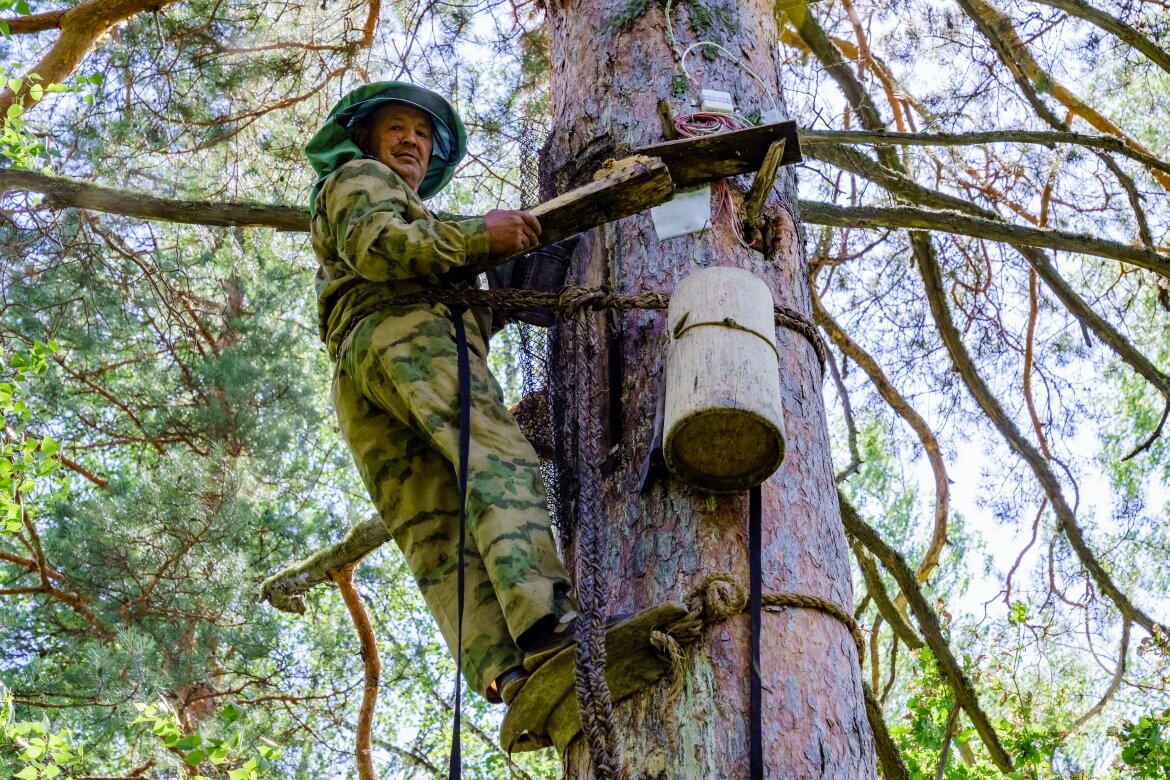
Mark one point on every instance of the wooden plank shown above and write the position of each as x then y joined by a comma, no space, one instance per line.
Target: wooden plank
634,186
695,161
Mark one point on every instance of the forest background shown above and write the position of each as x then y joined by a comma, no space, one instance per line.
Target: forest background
168,439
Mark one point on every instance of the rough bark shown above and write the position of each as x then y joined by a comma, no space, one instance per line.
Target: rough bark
612,62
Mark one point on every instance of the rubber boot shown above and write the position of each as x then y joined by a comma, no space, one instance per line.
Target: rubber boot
545,710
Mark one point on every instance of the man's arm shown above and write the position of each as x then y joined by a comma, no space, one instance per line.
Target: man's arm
366,206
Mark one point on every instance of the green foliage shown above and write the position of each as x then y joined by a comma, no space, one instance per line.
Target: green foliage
29,480
42,753
200,747
932,724
1145,746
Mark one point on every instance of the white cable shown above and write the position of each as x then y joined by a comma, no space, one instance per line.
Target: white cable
736,60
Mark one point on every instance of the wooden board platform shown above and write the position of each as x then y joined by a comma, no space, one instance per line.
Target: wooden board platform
631,190
649,177
695,161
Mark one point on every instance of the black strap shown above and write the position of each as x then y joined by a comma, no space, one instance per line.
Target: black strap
755,575
455,768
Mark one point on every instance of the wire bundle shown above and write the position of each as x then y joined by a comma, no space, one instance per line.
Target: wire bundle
703,123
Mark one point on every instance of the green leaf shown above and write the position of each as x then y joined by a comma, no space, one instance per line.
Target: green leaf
50,771
195,757
188,742
28,773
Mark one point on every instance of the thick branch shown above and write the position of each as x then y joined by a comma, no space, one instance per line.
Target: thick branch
810,139
931,630
936,295
893,768
285,590
818,42
81,27
27,25
978,227
1112,24
64,193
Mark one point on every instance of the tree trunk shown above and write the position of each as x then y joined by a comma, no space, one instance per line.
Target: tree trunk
612,61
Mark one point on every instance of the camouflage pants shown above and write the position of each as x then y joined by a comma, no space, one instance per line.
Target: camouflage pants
396,395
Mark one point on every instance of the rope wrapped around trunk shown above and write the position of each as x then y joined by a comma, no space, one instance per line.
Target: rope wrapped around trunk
721,596
570,301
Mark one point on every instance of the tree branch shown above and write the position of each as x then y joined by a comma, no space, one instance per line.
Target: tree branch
809,139
1111,24
81,27
908,413
27,25
932,632
901,186
1114,684
343,577
820,213
65,193
893,768
885,606
999,31
285,590
936,296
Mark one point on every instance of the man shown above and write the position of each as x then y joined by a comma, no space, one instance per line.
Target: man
383,149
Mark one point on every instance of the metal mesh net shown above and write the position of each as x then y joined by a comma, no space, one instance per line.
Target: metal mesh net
541,412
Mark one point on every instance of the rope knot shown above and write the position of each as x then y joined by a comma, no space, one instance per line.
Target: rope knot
573,300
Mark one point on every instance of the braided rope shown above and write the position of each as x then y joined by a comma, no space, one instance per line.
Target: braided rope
593,697
721,596
571,301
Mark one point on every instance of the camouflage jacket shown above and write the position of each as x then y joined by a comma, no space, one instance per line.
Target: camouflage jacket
376,241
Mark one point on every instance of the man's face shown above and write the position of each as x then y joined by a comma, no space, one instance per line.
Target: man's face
400,137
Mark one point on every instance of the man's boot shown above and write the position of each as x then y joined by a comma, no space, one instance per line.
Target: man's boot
545,709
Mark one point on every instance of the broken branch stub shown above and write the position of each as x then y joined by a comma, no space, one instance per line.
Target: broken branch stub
286,589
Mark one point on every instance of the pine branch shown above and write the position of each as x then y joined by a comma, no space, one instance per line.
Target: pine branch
1111,24
28,25
285,590
910,218
932,631
904,188
936,296
66,193
811,139
910,415
81,27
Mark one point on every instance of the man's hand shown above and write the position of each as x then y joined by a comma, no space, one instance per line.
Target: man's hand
511,231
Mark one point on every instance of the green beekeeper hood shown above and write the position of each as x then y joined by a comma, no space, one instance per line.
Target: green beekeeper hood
333,145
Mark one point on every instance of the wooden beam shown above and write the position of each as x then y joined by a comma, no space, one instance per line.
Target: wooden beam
695,161
636,184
